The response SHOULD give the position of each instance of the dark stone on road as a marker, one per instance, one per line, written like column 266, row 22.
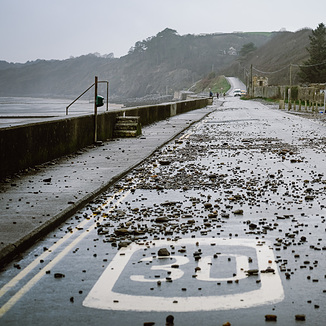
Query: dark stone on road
column 270, row 317
column 163, row 252
column 59, row 275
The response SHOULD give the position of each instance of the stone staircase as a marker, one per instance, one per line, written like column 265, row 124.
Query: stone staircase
column 127, row 126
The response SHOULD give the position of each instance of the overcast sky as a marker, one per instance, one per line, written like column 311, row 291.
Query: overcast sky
column 58, row 29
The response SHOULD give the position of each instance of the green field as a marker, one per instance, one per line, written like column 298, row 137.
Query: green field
column 213, row 83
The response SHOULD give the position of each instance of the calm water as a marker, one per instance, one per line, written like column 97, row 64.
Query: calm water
column 21, row 110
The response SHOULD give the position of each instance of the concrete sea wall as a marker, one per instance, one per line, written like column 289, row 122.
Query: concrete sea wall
column 25, row 146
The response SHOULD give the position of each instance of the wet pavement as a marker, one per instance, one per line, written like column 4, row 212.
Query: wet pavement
column 224, row 224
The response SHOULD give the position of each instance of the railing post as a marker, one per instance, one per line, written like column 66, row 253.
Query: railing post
column 107, row 96
column 95, row 111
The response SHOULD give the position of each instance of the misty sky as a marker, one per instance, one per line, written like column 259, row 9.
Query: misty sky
column 58, row 29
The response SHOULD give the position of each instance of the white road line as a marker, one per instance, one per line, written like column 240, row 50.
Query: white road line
column 11, row 302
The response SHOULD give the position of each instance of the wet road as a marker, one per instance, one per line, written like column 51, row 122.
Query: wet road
column 224, row 224
column 235, row 83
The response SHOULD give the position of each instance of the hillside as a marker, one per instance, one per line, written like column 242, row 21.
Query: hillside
column 273, row 59
column 157, row 66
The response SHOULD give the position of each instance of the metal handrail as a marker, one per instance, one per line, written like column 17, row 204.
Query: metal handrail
column 107, row 92
column 107, row 95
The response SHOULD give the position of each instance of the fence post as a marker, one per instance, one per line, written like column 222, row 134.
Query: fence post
column 281, row 105
column 289, row 98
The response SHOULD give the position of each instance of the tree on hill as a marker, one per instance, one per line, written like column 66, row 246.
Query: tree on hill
column 247, row 48
column 314, row 69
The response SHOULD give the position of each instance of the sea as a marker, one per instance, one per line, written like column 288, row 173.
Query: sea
column 23, row 110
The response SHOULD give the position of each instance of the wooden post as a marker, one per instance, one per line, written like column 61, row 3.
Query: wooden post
column 95, row 110
column 281, row 105
column 290, row 89
column 252, row 84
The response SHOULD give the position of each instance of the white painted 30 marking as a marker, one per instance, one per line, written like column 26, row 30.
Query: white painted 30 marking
column 102, row 295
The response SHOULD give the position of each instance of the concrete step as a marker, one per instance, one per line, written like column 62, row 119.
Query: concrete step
column 128, row 126
column 127, row 119
column 125, row 126
column 125, row 133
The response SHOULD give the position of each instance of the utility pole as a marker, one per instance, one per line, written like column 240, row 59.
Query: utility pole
column 289, row 90
column 251, row 80
column 95, row 110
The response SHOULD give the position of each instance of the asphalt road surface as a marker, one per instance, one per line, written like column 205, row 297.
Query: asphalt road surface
column 235, row 84
column 224, row 224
